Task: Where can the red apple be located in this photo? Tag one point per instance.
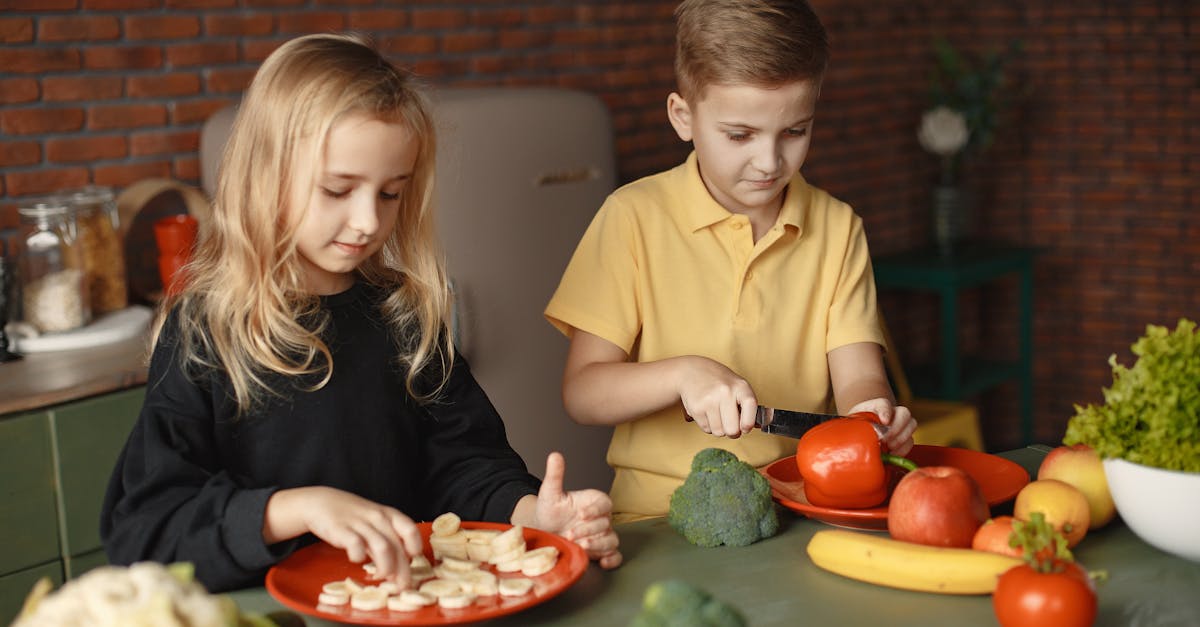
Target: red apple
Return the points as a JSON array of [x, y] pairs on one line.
[[938, 506]]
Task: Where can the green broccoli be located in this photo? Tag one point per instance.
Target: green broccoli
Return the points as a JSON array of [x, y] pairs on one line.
[[723, 501], [677, 603]]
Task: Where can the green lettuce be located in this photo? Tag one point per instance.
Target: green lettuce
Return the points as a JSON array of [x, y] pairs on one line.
[[1151, 414]]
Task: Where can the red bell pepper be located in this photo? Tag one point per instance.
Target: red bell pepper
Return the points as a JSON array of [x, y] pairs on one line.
[[842, 463]]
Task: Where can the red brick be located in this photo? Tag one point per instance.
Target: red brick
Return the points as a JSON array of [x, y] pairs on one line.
[[44, 181], [126, 116], [159, 85], [345, 3], [90, 28], [521, 39], [20, 153], [256, 50], [273, 3], [16, 30], [201, 4], [158, 27], [123, 58], [38, 60], [409, 44], [223, 25], [124, 175], [160, 143], [377, 19], [493, 18], [211, 53], [193, 111], [40, 120], [77, 88], [121, 5], [86, 149], [18, 90], [439, 18], [311, 22], [38, 5], [550, 15], [468, 42], [228, 81], [186, 169]]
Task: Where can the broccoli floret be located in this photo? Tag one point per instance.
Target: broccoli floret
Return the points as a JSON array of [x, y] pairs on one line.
[[723, 501], [677, 603]]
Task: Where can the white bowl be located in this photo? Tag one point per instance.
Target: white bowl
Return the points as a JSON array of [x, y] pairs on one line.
[[1160, 506]]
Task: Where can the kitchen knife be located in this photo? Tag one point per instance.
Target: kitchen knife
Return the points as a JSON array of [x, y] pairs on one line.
[[794, 424]]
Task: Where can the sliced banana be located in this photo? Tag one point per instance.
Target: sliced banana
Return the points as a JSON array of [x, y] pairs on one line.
[[453, 563], [478, 551], [447, 524], [456, 601], [421, 574], [419, 561], [515, 586], [396, 605], [369, 599], [511, 566], [336, 587], [550, 550], [509, 539], [417, 598], [371, 569], [352, 586], [333, 598], [508, 556], [449, 546], [537, 565], [390, 587], [440, 587]]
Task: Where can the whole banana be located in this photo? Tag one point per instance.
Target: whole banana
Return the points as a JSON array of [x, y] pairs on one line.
[[881, 560]]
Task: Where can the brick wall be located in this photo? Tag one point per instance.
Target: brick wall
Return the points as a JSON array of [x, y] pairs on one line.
[[1096, 164]]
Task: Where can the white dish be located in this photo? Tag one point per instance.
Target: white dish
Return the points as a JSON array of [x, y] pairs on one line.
[[1160, 506], [107, 329]]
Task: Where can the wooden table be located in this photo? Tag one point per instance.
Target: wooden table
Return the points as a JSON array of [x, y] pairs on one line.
[[774, 583], [42, 379]]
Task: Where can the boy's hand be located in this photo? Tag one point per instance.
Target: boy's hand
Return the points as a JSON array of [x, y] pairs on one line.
[[364, 529], [721, 402], [902, 425], [582, 516]]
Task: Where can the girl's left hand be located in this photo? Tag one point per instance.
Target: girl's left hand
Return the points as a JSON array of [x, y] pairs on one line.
[[582, 516], [899, 420]]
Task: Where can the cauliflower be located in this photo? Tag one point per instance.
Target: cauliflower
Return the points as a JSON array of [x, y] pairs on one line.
[[145, 594], [676, 603], [723, 501]]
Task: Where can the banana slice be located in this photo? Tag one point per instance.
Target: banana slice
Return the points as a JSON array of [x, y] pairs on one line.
[[421, 574], [515, 586], [371, 569], [336, 587], [389, 587], [508, 556], [396, 605], [452, 546], [462, 566], [333, 598], [511, 566], [420, 599], [352, 586], [550, 550], [369, 599], [537, 565], [447, 524], [509, 539], [419, 561], [479, 551], [456, 601], [440, 587]]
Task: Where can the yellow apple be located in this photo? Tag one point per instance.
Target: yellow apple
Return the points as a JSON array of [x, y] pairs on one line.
[[1080, 466], [1063, 505]]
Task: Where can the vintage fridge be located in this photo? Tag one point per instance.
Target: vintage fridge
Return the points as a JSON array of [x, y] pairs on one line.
[[521, 172]]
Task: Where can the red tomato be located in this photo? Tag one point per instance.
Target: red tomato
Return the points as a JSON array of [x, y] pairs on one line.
[[1027, 598]]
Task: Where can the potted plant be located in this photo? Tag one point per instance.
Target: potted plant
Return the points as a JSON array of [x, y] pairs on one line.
[[1148, 433], [966, 98]]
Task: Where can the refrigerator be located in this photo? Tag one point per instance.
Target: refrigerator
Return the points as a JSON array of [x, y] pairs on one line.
[[520, 173]]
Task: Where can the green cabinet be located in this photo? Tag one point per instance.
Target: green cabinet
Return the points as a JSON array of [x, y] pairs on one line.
[[54, 468]]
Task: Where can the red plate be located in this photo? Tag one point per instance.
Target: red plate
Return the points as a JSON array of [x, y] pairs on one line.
[[296, 582], [999, 479]]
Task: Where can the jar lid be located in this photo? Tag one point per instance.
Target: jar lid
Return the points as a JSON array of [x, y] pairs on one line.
[[88, 195], [44, 208]]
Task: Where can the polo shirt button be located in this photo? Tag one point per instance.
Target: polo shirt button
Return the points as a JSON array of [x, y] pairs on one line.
[[749, 275]]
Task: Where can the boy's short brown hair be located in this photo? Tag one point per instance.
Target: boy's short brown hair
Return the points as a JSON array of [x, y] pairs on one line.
[[746, 42]]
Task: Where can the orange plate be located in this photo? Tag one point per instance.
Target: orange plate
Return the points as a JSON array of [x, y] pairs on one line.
[[999, 479], [296, 582]]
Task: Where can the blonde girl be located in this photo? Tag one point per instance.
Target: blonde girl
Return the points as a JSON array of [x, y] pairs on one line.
[[303, 383]]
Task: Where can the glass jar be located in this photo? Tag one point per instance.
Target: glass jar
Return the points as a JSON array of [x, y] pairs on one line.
[[100, 247], [53, 290]]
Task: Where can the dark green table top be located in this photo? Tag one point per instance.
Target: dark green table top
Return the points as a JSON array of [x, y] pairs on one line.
[[774, 583]]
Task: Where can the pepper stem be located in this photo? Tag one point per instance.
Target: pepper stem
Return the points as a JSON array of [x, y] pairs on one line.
[[902, 462]]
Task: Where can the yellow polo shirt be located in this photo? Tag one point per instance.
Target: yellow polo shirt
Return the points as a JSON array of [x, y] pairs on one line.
[[664, 270]]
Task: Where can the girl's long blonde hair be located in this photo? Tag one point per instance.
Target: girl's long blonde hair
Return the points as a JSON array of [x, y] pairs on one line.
[[244, 309]]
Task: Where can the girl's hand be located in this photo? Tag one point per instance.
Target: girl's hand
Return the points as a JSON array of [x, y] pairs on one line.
[[364, 529], [721, 402], [582, 516], [902, 425]]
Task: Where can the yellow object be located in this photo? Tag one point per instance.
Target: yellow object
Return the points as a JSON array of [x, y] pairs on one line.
[[939, 423], [664, 270], [1063, 505], [881, 560]]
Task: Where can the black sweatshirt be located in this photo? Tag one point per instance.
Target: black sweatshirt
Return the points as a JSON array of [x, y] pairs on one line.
[[193, 481]]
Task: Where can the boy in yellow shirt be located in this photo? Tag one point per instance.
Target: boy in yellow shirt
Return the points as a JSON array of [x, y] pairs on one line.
[[726, 282]]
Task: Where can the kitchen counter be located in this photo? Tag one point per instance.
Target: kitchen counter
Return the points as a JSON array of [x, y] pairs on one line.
[[43, 379], [774, 583]]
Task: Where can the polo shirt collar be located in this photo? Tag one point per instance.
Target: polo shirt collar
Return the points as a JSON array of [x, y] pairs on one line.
[[704, 211]]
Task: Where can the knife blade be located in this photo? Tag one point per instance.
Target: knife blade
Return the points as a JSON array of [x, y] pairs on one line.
[[795, 424]]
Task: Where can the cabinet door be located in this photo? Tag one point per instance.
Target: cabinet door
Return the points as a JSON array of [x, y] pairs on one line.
[[28, 518], [90, 435], [16, 586]]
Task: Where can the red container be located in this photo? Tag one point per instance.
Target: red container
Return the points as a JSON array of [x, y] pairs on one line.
[[175, 235]]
